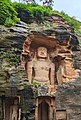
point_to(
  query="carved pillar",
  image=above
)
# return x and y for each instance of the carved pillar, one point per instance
(52, 74)
(19, 111)
(19, 114)
(3, 106)
(51, 109)
(15, 110)
(11, 112)
(29, 71)
(50, 112)
(52, 79)
(36, 111)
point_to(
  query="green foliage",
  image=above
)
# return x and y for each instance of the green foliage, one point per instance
(28, 12)
(7, 13)
(35, 83)
(9, 22)
(10, 56)
(10, 12)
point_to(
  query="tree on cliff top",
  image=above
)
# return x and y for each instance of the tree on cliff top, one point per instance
(48, 3)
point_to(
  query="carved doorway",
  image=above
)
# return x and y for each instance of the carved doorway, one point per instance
(44, 108)
(43, 111)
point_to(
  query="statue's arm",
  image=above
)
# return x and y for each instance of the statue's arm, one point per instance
(29, 71)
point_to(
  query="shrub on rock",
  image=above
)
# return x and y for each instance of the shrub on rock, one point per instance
(8, 15)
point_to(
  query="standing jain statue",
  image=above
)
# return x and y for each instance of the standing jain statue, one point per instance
(41, 69)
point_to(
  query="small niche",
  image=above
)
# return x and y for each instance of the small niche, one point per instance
(61, 115)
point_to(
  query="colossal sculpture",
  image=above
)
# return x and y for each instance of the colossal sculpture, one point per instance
(41, 69)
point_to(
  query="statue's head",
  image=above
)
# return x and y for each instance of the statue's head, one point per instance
(42, 52)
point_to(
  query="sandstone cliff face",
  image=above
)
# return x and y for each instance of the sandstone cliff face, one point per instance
(13, 77)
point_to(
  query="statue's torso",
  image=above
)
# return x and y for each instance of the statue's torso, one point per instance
(41, 71)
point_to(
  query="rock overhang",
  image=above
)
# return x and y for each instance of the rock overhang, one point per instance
(51, 37)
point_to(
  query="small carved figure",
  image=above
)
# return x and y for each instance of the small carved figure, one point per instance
(26, 52)
(26, 45)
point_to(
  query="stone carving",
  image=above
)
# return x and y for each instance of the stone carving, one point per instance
(69, 72)
(41, 69)
(26, 52)
(26, 46)
(64, 71)
(44, 108)
(42, 52)
(15, 110)
(61, 115)
(48, 66)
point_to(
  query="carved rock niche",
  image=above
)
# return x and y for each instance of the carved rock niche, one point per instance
(47, 63)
